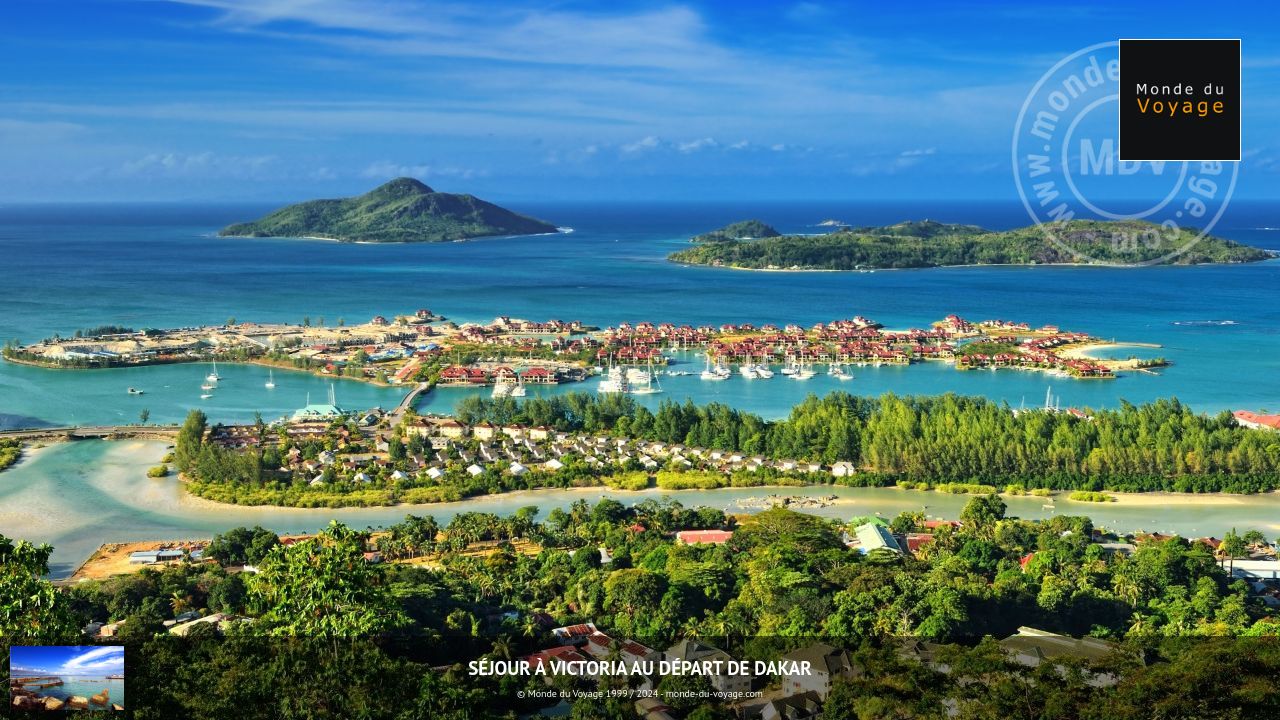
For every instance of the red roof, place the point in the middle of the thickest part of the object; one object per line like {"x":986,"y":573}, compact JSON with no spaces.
{"x":701,"y":537}
{"x":567,"y":654}
{"x":1271,"y":421}
{"x":915,"y":541}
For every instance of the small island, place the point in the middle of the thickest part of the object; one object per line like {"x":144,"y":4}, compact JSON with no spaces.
{"x":744,"y":230}
{"x":403,"y":210}
{"x":927,"y":243}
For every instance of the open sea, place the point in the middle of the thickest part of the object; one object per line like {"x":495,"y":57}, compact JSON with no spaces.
{"x":71,"y":267}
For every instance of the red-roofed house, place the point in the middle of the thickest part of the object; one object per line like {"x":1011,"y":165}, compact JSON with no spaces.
{"x":1257,"y":421}
{"x":703,"y":537}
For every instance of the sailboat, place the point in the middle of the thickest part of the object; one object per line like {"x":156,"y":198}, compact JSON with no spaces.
{"x":837,"y":372}
{"x":802,"y":372}
{"x":647,"y":386}
{"x":213,"y":375}
{"x":271,"y":380}
{"x":518,"y":390}
{"x":717,"y":373}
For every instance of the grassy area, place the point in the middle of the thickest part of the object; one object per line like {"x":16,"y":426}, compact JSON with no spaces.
{"x":10,"y":451}
{"x":1090,"y":496}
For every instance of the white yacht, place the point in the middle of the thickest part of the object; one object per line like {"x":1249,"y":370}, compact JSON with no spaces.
{"x":837,"y":372}
{"x":271,"y":380}
{"x":615,"y":382}
{"x":763,"y":372}
{"x":213,"y":375}
{"x":501,"y":388}
{"x":636,"y":376}
{"x":648,"y":386}
{"x":518,"y":390}
{"x":802,"y":372}
{"x":719,"y":372}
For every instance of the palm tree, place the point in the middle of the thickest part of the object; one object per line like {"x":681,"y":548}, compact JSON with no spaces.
{"x":179,"y":603}
{"x":502,"y":647}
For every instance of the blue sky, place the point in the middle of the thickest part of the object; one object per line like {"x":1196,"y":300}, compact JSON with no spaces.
{"x":286,"y":99}
{"x":57,"y":660}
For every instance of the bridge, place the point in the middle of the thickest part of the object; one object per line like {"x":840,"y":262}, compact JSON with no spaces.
{"x":409,"y":399}
{"x":95,"y":432}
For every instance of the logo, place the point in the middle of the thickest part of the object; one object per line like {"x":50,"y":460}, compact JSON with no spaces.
{"x":1067,"y":167}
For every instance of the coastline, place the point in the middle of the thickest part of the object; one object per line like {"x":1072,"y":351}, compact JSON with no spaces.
{"x":1114,"y":266}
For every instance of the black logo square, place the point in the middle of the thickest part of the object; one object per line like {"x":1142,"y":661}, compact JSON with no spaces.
{"x":1179,"y":100}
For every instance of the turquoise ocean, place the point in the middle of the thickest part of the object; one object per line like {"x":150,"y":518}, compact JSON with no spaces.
{"x":72,"y":267}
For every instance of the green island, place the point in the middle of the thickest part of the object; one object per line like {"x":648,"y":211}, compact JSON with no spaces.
{"x":927,"y":243}
{"x":983,"y":617}
{"x":495,"y":445}
{"x":402,"y":210}
{"x":743,"y":230}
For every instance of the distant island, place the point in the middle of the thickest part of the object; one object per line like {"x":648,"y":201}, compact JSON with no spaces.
{"x":923,"y":244}
{"x":745,"y":230}
{"x":402,"y":210}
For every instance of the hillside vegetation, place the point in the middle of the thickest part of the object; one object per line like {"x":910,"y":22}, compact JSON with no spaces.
{"x":933,"y":244}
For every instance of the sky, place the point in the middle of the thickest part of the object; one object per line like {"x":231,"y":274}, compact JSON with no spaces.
{"x":68,"y":661}
{"x":215,"y":100}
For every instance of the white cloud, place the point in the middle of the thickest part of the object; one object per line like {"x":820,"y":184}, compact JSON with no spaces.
{"x":740,"y":145}
{"x":696,"y":145}
{"x":644,"y":144}
{"x":94,"y":661}
{"x":205,"y":164}
{"x":26,"y":131}
{"x":889,"y":165}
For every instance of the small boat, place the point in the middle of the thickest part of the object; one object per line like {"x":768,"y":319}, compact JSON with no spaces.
{"x":763,"y":372}
{"x":501,"y":389}
{"x":837,"y":372}
{"x":208,"y":386}
{"x":271,"y":380}
{"x":206,"y":396}
{"x":135,"y":391}
{"x":213,"y":375}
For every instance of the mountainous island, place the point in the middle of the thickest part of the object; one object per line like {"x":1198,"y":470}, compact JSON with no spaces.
{"x":402,"y":210}
{"x":923,"y":244}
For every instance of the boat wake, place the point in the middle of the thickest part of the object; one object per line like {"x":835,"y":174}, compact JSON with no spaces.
{"x":1205,"y":323}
